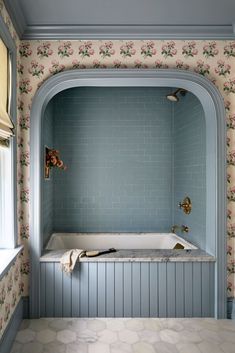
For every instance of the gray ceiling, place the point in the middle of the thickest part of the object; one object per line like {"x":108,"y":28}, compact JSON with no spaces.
{"x":46,"y":16}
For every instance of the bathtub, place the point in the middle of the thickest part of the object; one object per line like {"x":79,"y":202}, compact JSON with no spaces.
{"x":137,"y":281}
{"x":119,"y":241}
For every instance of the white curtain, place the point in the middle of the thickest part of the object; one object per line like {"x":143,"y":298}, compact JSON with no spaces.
{"x":6,"y":124}
{"x":6,"y":199}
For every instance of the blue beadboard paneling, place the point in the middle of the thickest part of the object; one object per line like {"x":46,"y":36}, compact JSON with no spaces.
{"x":93,"y":290}
{"x":189,"y":136}
{"x":59,"y":291}
{"x":101,"y":290}
{"x":128,"y":289}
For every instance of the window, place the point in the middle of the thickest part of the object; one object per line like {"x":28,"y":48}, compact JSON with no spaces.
{"x":6,"y":125}
{"x":7,"y":222}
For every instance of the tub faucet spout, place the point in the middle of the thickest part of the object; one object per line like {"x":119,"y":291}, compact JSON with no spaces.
{"x":183,"y":228}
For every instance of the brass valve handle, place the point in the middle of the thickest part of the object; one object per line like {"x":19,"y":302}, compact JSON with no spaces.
{"x":186,"y":205}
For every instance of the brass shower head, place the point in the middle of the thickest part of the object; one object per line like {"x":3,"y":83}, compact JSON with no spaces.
{"x":173,"y":97}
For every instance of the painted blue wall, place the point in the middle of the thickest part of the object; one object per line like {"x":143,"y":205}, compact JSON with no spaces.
{"x":189,"y":137}
{"x":47,"y":185}
{"x":117,"y":144}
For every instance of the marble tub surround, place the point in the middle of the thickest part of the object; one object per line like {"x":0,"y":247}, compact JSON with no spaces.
{"x":147,"y":255}
{"x":125,"y":336}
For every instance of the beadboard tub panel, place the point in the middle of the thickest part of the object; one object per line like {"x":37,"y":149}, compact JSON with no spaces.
{"x":122,"y":289}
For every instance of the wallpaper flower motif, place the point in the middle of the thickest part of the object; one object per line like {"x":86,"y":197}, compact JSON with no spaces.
{"x":210,"y":50}
{"x":127,"y":49}
{"x":106,"y":50}
{"x":41,"y":59}
{"x":189,"y":49}
{"x":168,"y":49}
{"x":148,"y":49}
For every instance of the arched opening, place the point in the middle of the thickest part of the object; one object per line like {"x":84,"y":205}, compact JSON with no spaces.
{"x":212,"y":104}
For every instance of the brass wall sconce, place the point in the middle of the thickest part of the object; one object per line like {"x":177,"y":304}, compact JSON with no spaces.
{"x":186,"y":205}
{"x":52,"y":160}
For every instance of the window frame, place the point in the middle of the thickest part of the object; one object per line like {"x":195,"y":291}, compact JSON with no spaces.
{"x":12,"y":50}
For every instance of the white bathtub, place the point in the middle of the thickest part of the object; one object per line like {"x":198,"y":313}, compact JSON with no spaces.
{"x":101,"y":241}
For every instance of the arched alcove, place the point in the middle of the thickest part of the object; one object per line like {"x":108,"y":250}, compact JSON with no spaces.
{"x":212,"y":103}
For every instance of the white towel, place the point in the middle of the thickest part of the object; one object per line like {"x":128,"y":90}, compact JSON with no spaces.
{"x":69,"y":259}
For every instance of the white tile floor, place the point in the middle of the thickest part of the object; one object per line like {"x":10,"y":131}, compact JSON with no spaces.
{"x":125,"y":336}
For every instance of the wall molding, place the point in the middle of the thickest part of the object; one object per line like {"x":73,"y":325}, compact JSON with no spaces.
{"x":213,"y":105}
{"x":114,"y":32}
{"x":117,"y":31}
{"x":12,"y":328}
{"x":17,"y":16}
{"x":127,"y":32}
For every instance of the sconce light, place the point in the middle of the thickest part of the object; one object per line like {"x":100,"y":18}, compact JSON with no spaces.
{"x":52,"y":160}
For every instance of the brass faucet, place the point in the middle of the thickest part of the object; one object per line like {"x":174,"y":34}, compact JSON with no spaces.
{"x":183,"y":228}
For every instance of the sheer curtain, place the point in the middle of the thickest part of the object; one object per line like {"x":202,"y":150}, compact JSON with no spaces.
{"x":6,"y":199}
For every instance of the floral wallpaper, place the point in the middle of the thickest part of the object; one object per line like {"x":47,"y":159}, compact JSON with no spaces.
{"x":11,"y":289}
{"x":38,"y":60}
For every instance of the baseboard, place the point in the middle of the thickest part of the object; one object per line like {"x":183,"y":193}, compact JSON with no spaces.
{"x":231,"y":308}
{"x":11,"y":329}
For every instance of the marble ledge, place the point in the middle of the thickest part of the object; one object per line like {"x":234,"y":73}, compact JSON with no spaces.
{"x":138,"y":256}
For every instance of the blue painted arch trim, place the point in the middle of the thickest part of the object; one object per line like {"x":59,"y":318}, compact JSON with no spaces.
{"x":213,"y":106}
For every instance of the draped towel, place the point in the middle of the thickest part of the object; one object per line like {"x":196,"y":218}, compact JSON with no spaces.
{"x":69,"y":259}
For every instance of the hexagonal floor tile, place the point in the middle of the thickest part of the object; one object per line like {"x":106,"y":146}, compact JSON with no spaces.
{"x":32,"y":347}
{"x":134,"y":324}
{"x":149,"y":336}
{"x":78,"y":325}
{"x":58,"y":324}
{"x":66,"y":336}
{"x":54,"y":347}
{"x":38,"y":325}
{"x":170,"y":336}
{"x":98,"y":348}
{"x":163,"y":347}
{"x":87,"y":336}
{"x":25,"y":324}
{"x":16,"y":347}
{"x":120,"y":347}
{"x":141,"y":347}
{"x":227,"y":347}
{"x":206,"y":347}
{"x":46,"y":336}
{"x":25,"y":336}
{"x":77,"y":347}
{"x":128,"y":336}
{"x":115,"y":325}
{"x":188,"y":348}
{"x":152,"y":324}
{"x":107,"y":336}
{"x":96,"y":325}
